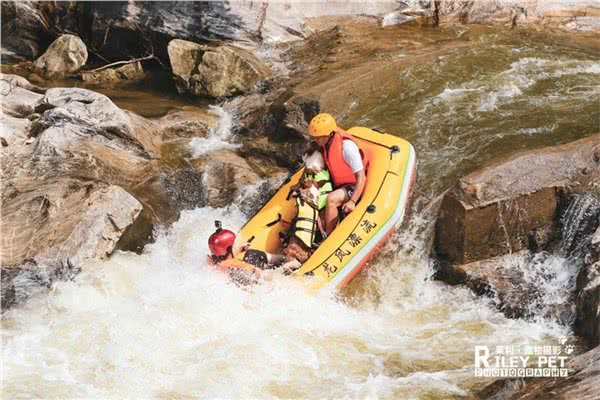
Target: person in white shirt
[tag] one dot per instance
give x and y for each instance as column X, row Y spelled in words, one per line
column 346, row 164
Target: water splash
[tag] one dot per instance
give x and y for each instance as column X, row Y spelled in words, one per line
column 218, row 137
column 163, row 324
column 544, row 282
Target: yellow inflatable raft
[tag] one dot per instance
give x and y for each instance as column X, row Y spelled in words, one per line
column 390, row 177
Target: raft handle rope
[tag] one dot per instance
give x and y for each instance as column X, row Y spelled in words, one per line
column 377, row 130
column 394, row 149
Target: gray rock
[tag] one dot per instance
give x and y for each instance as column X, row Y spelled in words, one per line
column 14, row 130
column 214, row 71
column 495, row 210
column 63, row 219
column 17, row 101
column 66, row 55
column 56, row 230
column 108, row 211
column 79, row 136
column 19, row 81
column 225, row 173
column 26, row 19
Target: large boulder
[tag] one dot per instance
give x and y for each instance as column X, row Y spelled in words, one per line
column 504, row 207
column 227, row 71
column 541, row 283
column 22, row 30
column 36, row 224
column 62, row 223
column 214, row 71
column 66, row 55
column 18, row 95
column 63, row 140
column 501, row 278
column 69, row 145
column 184, row 57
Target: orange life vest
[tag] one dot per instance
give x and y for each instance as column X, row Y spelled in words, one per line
column 333, row 154
column 234, row 263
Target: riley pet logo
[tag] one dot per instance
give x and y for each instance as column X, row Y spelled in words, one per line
column 523, row 361
column 562, row 340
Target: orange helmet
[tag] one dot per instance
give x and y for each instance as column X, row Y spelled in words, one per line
column 322, row 125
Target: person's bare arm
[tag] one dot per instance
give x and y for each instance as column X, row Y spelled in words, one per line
column 361, row 180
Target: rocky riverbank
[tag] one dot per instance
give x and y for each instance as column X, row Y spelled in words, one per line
column 77, row 171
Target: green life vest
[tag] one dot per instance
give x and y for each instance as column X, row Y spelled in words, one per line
column 324, row 179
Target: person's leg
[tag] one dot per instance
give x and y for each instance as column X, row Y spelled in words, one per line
column 258, row 258
column 335, row 199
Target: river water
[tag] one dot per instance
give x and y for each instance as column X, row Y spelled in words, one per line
column 163, row 325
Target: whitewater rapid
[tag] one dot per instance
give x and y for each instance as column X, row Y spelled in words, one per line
column 164, row 325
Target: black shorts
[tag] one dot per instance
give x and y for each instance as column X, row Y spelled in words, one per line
column 257, row 258
column 349, row 190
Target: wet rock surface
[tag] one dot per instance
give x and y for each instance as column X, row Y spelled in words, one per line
column 497, row 210
column 494, row 277
column 66, row 55
column 225, row 173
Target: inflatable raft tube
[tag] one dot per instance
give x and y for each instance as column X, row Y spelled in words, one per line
column 380, row 211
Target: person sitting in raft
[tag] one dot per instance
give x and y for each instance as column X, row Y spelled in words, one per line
column 224, row 251
column 310, row 193
column 346, row 163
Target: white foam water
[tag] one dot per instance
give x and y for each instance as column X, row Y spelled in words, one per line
column 218, row 137
column 165, row 325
